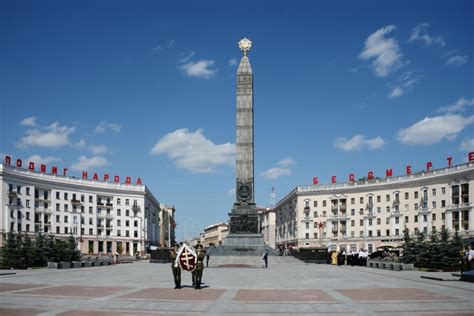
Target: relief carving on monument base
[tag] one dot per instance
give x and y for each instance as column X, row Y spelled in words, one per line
column 243, row 224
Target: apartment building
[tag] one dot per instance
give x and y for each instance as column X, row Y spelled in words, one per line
column 103, row 216
column 367, row 214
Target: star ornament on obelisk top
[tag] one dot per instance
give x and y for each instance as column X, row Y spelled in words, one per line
column 245, row 44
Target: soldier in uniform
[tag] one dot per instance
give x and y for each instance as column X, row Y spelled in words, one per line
column 199, row 267
column 175, row 267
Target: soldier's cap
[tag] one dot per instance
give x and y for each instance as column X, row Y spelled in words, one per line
column 199, row 246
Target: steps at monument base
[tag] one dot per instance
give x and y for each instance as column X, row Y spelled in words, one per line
column 241, row 251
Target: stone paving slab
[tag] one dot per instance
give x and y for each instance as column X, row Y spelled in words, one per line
column 8, row 287
column 183, row 294
column 382, row 294
column 20, row 311
column 75, row 291
column 314, row 296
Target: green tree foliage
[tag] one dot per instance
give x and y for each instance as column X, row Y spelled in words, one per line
column 438, row 251
column 21, row 251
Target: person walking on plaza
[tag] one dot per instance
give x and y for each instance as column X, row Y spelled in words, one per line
column 265, row 257
column 199, row 267
column 207, row 257
column 175, row 268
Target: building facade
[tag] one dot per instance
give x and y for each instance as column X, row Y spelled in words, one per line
column 105, row 217
column 268, row 228
column 214, row 235
column 371, row 213
column 167, row 226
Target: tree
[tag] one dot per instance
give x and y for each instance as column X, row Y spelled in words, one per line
column 409, row 255
column 71, row 253
column 27, row 250
column 11, row 251
column 39, row 259
column 119, row 248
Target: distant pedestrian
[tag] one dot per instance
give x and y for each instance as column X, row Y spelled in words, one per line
column 175, row 268
column 265, row 257
column 207, row 257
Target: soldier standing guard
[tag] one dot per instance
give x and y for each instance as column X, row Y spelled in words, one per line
column 175, row 267
column 199, row 267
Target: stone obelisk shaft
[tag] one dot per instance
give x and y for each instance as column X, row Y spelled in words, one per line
column 245, row 134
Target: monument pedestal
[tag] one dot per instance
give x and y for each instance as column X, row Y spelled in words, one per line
column 241, row 245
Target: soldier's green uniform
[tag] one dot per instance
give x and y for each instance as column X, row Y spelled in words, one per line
column 199, row 267
column 175, row 267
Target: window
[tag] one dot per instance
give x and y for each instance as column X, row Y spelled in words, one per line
column 353, row 212
column 119, row 201
column 379, row 209
column 425, row 218
column 118, row 232
column 315, row 203
column 324, row 203
column 433, row 217
column 387, row 198
column 82, row 208
column 315, row 225
column 361, row 200
column 397, row 220
column 65, row 218
column 119, row 222
column 91, row 221
column 352, row 223
column 324, row 213
column 370, row 222
column 443, row 190
column 306, row 203
column 379, row 198
column 28, row 215
column 119, row 212
column 65, row 195
column 91, row 231
column 90, row 209
column 379, row 221
column 388, row 209
column 57, row 207
column 57, row 230
column 127, row 212
column 315, row 235
column 406, row 219
column 387, row 220
column 361, row 222
column 307, row 225
column 65, row 208
column 83, row 198
column 433, row 192
column 127, row 202
column 361, row 233
column 27, row 203
column 443, row 203
column 416, row 194
column 416, row 206
column 127, row 233
column 135, row 234
column 136, row 224
column 58, row 219
column 433, row 204
column 27, row 191
column 74, row 197
column 315, row 214
column 58, row 195
column 127, row 223
column 91, row 199
column 443, row 216
column 416, row 219
column 406, row 196
column 387, row 232
column 66, row 230
column 397, row 232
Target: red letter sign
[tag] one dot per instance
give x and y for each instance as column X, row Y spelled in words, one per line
column 116, row 179
column 428, row 166
column 370, row 175
column 389, row 173
column 450, row 159
column 31, row 166
column 408, row 169
column 351, row 177
column 106, row 177
column 333, row 179
column 18, row 163
column 84, row 175
column 8, row 160
column 54, row 170
column 128, row 180
column 471, row 156
column 139, row 181
column 315, row 180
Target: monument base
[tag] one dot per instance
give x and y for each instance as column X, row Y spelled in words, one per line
column 241, row 245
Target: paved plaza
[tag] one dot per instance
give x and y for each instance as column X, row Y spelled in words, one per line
column 233, row 286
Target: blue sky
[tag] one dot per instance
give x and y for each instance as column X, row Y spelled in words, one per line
column 147, row 89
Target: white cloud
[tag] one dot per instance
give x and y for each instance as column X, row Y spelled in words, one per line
column 185, row 57
column 433, row 130
column 194, row 152
column 29, row 121
column 385, row 51
column 419, row 33
column 103, row 127
column 358, row 142
column 233, row 62
column 166, row 45
column 459, row 106
column 467, row 145
column 281, row 169
column 81, row 143
column 200, row 69
column 457, row 60
column 52, row 136
column 85, row 163
column 396, row 92
column 99, row 149
column 275, row 172
column 231, row 192
column 42, row 160
column 286, row 162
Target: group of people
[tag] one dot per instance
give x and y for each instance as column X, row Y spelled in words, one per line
column 196, row 272
column 353, row 258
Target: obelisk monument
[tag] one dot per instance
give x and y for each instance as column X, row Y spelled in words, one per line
column 244, row 236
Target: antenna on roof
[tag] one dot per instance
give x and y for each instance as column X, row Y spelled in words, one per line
column 272, row 198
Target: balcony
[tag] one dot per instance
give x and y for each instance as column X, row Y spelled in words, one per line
column 343, row 229
column 136, row 208
column 334, row 230
column 12, row 194
column 15, row 205
column 109, row 216
column 457, row 207
column 306, row 219
column 76, row 202
column 424, row 200
column 101, row 215
column 343, row 207
column 370, row 215
column 396, row 202
column 333, row 207
column 396, row 214
column 369, row 205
